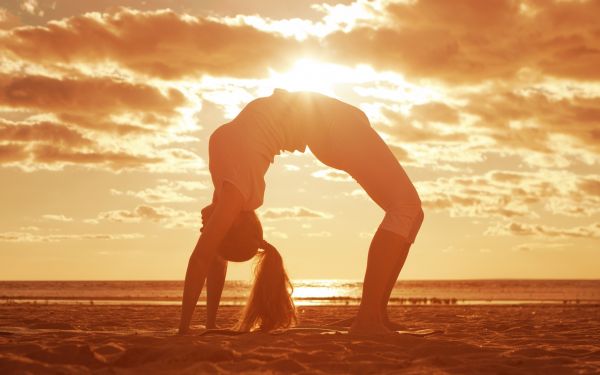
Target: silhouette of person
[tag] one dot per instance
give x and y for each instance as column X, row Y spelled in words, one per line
column 341, row 137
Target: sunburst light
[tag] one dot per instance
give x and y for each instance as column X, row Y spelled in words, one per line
column 310, row 75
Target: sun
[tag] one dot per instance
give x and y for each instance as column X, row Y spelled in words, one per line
column 308, row 75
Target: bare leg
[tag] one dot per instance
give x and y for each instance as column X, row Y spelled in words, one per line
column 215, row 280
column 390, row 286
column 194, row 281
column 387, row 250
column 361, row 152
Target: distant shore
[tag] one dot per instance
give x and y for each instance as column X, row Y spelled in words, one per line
column 310, row 292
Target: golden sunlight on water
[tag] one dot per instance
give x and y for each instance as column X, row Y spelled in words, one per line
column 314, row 292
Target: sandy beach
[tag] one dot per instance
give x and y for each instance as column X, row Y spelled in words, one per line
column 141, row 339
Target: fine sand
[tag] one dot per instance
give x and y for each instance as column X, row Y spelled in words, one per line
column 78, row 339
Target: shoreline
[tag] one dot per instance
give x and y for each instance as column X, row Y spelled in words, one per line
column 143, row 301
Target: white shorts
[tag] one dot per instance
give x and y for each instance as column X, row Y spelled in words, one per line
column 349, row 143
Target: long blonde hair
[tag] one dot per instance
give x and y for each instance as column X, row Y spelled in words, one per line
column 270, row 304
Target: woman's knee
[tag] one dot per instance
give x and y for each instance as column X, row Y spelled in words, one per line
column 405, row 218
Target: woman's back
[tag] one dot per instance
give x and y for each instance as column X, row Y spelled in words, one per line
column 288, row 121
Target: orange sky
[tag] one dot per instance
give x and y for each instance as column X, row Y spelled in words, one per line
column 492, row 107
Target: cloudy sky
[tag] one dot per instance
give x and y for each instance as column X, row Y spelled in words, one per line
column 492, row 107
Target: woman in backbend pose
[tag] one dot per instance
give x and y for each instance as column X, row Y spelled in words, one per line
column 240, row 152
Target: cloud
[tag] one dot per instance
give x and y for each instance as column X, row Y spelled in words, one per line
column 44, row 131
column 39, row 145
column 31, row 237
column 86, row 95
column 8, row 20
column 47, row 154
column 529, row 246
column 166, row 216
column 541, row 230
column 468, row 41
column 140, row 213
column 40, row 156
column 356, row 193
column 462, row 41
column 32, row 7
column 29, row 228
column 91, row 122
column 293, row 213
column 421, row 124
column 331, row 174
column 434, row 112
column 142, row 124
column 103, row 122
column 511, row 194
column 430, row 134
column 590, row 185
column 166, row 192
column 11, row 152
column 507, row 176
column 155, row 43
column 59, row 217
column 527, row 120
column 542, row 124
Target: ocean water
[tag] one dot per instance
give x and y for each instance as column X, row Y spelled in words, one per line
column 309, row 292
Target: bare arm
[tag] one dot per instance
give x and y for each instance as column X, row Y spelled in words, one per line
column 226, row 210
column 214, row 287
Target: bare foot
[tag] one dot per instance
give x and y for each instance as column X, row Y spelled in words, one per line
column 191, row 330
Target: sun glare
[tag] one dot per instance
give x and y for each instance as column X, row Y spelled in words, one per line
column 309, row 75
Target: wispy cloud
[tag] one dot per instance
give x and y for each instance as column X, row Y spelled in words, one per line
column 34, row 237
column 293, row 213
column 166, row 192
column 85, row 95
column 509, row 194
column 166, row 216
column 540, row 230
column 331, row 174
column 57, row 217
